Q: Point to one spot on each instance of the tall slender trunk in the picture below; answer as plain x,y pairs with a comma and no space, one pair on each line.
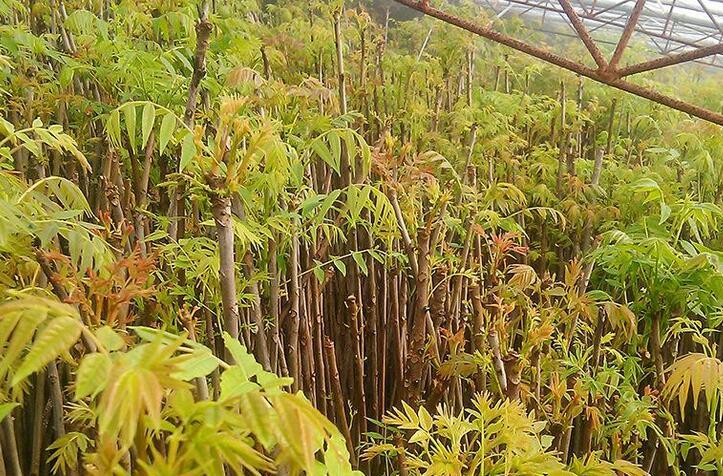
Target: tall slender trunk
347,168
565,138
261,344
373,339
10,451
293,344
201,384
274,311
611,121
470,72
478,339
397,335
212,344
56,397
203,34
340,63
221,210
406,239
594,181
513,371
494,343
655,349
415,359
338,396
356,327
424,43
318,344
40,399
363,104
308,369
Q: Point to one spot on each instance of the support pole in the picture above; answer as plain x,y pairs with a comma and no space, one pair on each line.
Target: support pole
627,34
672,60
584,34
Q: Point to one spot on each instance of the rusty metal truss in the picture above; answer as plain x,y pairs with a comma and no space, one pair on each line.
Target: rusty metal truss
680,30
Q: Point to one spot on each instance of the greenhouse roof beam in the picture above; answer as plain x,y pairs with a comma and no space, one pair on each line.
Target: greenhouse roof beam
603,25
667,20
584,34
569,35
627,34
672,60
594,13
711,16
665,50
607,22
681,12
609,76
695,39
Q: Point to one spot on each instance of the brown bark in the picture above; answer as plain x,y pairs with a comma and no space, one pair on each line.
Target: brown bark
308,369
261,347
337,394
470,72
611,119
655,350
353,307
406,239
204,28
340,63
56,397
274,311
477,331
415,360
513,372
189,322
373,325
203,34
61,293
397,336
211,338
40,399
293,344
10,450
494,343
318,337
221,209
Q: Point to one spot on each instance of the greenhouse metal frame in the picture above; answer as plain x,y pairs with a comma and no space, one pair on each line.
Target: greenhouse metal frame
680,30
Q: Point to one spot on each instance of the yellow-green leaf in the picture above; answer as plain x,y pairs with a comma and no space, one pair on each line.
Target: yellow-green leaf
113,128
168,125
129,112
149,117
6,408
188,151
54,339
109,338
199,363
92,375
